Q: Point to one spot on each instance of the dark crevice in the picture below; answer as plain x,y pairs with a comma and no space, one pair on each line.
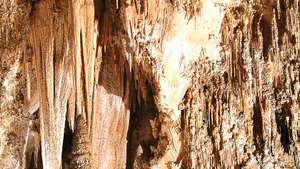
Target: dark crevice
254,26
281,20
104,18
293,39
67,145
266,29
33,164
258,127
284,122
140,133
130,144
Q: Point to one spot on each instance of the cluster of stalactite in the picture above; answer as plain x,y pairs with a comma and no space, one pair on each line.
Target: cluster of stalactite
97,84
83,71
244,110
74,83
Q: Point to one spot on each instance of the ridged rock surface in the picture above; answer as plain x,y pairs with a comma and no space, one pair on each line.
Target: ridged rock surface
149,84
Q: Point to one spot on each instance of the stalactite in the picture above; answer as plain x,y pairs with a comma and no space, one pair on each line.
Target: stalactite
149,84
50,46
247,98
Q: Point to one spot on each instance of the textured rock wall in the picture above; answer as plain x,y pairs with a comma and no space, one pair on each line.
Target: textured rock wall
149,84
16,133
244,109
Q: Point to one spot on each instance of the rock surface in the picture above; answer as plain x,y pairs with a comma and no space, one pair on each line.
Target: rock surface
149,84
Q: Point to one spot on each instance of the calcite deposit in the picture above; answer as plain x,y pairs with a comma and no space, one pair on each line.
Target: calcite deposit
155,84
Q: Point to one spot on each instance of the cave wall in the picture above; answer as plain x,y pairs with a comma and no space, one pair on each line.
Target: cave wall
244,108
149,84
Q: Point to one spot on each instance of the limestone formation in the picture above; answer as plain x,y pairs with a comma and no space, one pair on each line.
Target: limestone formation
149,84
